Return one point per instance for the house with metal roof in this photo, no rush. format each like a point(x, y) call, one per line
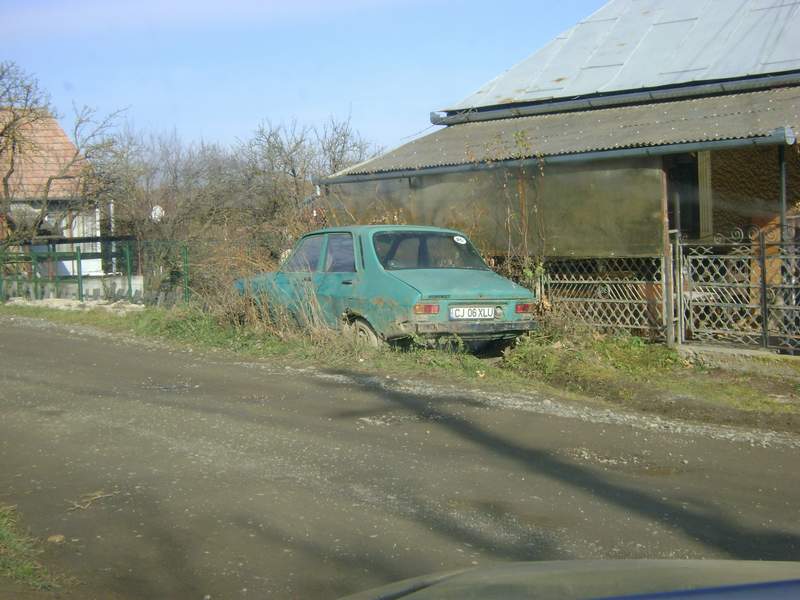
point(649, 117)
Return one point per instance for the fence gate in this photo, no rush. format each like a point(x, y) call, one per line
point(742, 289)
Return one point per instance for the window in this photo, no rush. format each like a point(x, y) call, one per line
point(305, 257)
point(340, 257)
point(426, 250)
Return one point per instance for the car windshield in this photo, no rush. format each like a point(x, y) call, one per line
point(426, 250)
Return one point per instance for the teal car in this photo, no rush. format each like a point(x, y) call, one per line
point(387, 283)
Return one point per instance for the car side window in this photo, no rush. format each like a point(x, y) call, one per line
point(306, 257)
point(340, 257)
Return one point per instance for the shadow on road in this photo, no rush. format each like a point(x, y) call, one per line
point(348, 566)
point(712, 530)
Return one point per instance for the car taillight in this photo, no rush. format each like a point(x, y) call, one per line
point(426, 309)
point(524, 307)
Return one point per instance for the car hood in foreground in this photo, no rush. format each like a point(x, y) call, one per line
point(568, 580)
point(461, 284)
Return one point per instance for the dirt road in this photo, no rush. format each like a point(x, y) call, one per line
point(222, 479)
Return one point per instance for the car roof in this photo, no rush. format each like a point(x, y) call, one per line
point(385, 227)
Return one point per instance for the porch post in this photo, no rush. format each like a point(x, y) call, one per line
point(787, 251)
point(782, 175)
point(704, 194)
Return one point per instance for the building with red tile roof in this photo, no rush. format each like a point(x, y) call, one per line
point(44, 167)
point(45, 154)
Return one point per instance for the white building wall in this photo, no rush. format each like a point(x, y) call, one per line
point(83, 224)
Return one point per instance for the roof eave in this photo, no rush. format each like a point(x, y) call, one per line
point(783, 136)
point(594, 101)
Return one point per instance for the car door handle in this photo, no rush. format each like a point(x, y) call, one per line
point(306, 278)
point(347, 282)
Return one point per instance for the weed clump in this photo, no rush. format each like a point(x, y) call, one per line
point(574, 356)
point(19, 554)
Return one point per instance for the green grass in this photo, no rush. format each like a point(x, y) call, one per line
point(626, 370)
point(18, 554)
point(613, 366)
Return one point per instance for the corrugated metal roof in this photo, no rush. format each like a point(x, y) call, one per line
point(638, 44)
point(728, 117)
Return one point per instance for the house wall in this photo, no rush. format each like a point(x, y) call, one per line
point(745, 187)
point(603, 208)
point(85, 223)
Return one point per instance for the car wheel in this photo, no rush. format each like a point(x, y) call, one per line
point(363, 333)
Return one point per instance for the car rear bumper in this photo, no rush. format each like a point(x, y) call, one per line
point(475, 329)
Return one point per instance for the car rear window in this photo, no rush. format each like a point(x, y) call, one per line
point(426, 250)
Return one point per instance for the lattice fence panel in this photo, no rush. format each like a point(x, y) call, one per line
point(613, 293)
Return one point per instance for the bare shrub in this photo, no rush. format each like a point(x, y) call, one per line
point(216, 266)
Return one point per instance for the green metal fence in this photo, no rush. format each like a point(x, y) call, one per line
point(150, 272)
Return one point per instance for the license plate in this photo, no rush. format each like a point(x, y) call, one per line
point(472, 312)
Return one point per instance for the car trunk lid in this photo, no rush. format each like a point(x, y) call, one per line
point(460, 284)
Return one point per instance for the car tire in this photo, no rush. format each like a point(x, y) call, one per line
point(363, 332)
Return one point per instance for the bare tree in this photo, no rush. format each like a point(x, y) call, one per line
point(22, 104)
point(280, 159)
point(91, 140)
point(164, 188)
point(339, 146)
point(257, 190)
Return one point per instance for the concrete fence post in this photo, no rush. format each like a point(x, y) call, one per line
point(129, 269)
point(52, 269)
point(35, 275)
point(79, 269)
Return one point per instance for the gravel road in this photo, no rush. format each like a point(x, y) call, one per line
point(173, 474)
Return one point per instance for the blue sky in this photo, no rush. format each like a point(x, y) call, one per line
point(213, 70)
